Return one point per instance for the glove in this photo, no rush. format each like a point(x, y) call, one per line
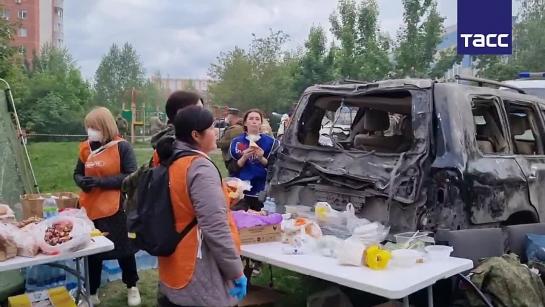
point(239, 290)
point(87, 183)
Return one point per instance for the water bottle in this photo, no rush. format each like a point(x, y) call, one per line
point(269, 205)
point(50, 208)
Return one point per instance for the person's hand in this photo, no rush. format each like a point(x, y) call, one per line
point(258, 153)
point(248, 153)
point(89, 182)
point(239, 289)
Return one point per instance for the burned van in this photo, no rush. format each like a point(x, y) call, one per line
point(416, 154)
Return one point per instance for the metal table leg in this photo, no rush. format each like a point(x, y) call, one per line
point(87, 282)
point(406, 301)
point(430, 296)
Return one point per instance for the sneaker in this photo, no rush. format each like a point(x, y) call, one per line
point(95, 300)
point(133, 297)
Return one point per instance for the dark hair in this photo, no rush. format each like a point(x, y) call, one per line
point(258, 111)
point(179, 100)
point(189, 119)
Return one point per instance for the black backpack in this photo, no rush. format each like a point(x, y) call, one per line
point(151, 223)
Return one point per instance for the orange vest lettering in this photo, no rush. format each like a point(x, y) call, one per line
point(100, 203)
point(176, 270)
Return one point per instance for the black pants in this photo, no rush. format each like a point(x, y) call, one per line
point(129, 275)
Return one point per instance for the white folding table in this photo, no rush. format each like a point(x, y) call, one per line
point(392, 283)
point(96, 246)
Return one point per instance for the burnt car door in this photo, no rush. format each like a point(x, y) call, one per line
point(527, 132)
point(496, 185)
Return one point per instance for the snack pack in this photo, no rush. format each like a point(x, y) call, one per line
point(236, 187)
point(25, 242)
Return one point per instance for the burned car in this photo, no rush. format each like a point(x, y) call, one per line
point(418, 154)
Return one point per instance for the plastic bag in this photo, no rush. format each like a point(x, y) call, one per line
point(6, 214)
point(78, 213)
point(372, 233)
point(62, 234)
point(352, 221)
point(237, 187)
point(8, 248)
point(328, 246)
point(25, 242)
point(535, 247)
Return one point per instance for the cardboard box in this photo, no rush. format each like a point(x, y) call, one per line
point(270, 233)
point(32, 203)
point(55, 297)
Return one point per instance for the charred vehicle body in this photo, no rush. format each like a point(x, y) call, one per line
point(416, 154)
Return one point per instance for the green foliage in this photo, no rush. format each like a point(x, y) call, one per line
point(421, 34)
point(528, 45)
point(445, 60)
point(118, 72)
point(363, 53)
point(259, 77)
point(316, 64)
point(57, 95)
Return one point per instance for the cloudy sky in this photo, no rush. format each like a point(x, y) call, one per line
point(180, 38)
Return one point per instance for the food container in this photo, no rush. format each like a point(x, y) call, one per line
point(438, 252)
point(402, 238)
point(405, 257)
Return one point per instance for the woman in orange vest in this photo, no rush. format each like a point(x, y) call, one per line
point(105, 159)
point(205, 269)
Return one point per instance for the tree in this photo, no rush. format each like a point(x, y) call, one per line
point(316, 64)
point(529, 35)
point(363, 50)
point(260, 77)
point(58, 95)
point(496, 67)
point(419, 38)
point(118, 72)
point(11, 62)
point(444, 61)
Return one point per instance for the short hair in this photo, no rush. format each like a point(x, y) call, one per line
point(248, 114)
point(179, 100)
point(189, 119)
point(100, 118)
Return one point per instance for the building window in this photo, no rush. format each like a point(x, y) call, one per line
point(22, 49)
point(4, 13)
point(22, 32)
point(23, 14)
point(18, 1)
point(59, 12)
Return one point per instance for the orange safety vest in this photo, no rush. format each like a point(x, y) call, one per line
point(104, 162)
point(176, 270)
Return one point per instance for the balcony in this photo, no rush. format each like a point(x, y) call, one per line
point(58, 3)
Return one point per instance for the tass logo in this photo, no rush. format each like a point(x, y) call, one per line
point(484, 27)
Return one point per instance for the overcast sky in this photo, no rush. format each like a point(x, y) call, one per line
point(180, 38)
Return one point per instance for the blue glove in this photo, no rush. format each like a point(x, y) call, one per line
point(239, 290)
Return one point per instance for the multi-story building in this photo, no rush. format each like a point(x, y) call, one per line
point(36, 23)
point(169, 85)
point(465, 67)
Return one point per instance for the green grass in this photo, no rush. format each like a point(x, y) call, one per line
point(54, 164)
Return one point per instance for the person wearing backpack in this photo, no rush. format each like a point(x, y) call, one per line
point(205, 269)
point(105, 159)
point(161, 142)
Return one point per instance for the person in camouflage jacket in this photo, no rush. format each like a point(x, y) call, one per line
point(507, 283)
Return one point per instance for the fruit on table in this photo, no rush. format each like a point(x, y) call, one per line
point(58, 233)
point(377, 258)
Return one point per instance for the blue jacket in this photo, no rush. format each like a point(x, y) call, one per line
point(253, 170)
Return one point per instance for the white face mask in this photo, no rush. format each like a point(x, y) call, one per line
point(94, 135)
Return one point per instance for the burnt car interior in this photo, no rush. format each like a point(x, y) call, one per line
point(488, 128)
point(524, 130)
point(378, 122)
point(490, 136)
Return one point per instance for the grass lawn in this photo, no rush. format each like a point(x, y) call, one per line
point(54, 165)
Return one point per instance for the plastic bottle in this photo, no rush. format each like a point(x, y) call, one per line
point(50, 207)
point(269, 205)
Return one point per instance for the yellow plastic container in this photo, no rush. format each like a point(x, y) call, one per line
point(56, 297)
